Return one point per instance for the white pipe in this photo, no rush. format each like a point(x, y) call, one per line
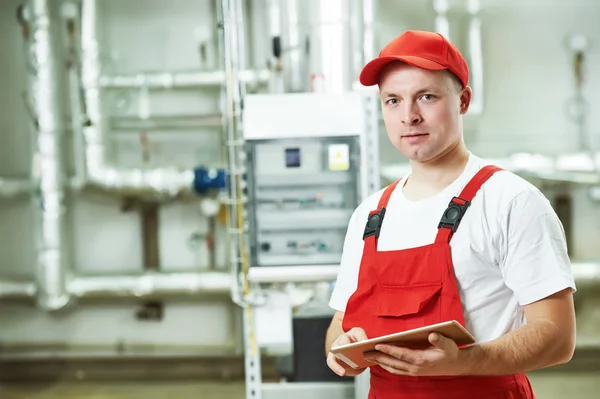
point(476, 57)
point(294, 60)
point(53, 261)
point(150, 284)
point(293, 274)
point(16, 289)
point(368, 35)
point(165, 181)
point(442, 25)
point(183, 79)
point(14, 187)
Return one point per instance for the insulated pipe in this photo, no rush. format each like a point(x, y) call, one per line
point(165, 181)
point(14, 187)
point(52, 267)
point(442, 25)
point(183, 79)
point(476, 58)
point(15, 289)
point(294, 51)
point(150, 284)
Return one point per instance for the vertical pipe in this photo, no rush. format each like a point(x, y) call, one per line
point(232, 114)
point(475, 57)
point(52, 267)
point(294, 56)
point(368, 35)
point(329, 53)
point(90, 74)
point(442, 25)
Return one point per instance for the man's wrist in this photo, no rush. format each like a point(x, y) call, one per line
point(469, 358)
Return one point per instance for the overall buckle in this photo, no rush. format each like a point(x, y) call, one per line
point(374, 222)
point(454, 213)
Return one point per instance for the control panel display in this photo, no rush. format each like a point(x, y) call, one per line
point(292, 157)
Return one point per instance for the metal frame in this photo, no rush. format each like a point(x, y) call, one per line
point(366, 131)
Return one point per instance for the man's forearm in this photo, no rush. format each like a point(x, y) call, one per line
point(333, 332)
point(533, 346)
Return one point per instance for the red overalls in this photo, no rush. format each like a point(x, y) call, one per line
point(410, 288)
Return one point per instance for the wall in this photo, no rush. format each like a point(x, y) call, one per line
point(527, 83)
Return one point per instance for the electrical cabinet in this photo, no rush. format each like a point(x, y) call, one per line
point(307, 174)
point(302, 193)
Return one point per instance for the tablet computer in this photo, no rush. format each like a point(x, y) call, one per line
point(353, 354)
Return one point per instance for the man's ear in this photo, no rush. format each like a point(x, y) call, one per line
point(465, 99)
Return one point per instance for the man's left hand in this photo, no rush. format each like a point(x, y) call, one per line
point(442, 358)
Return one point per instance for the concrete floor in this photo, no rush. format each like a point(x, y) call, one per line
point(581, 385)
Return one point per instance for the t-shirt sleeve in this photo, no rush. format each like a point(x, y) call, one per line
point(347, 279)
point(533, 254)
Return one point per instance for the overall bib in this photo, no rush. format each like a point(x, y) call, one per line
point(410, 288)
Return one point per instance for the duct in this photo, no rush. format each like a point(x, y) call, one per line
point(172, 80)
point(14, 187)
point(48, 173)
point(150, 284)
point(166, 181)
point(16, 289)
point(294, 55)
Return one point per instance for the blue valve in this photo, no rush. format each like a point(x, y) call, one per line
point(206, 179)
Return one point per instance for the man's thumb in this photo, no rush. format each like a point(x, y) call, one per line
point(438, 340)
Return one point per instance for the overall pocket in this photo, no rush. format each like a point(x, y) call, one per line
point(408, 307)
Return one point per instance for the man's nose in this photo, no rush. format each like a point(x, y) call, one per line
point(411, 116)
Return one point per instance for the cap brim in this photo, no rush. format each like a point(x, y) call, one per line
point(369, 75)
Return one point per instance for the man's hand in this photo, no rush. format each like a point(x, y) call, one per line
point(340, 368)
point(442, 358)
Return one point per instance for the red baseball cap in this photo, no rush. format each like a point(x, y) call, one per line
point(427, 50)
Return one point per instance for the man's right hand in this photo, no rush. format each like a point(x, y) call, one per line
point(339, 367)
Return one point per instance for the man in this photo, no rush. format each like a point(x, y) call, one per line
point(500, 268)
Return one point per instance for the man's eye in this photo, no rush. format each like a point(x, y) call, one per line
point(392, 101)
point(428, 97)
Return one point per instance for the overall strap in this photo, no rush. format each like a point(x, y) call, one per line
point(375, 220)
point(458, 205)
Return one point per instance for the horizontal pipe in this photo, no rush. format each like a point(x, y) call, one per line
point(150, 284)
point(14, 187)
point(296, 274)
point(171, 80)
point(17, 289)
point(197, 283)
point(169, 122)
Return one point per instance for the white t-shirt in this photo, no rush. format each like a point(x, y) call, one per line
point(509, 250)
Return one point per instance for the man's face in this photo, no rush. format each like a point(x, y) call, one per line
point(421, 110)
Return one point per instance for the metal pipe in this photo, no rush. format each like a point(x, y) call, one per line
point(14, 187)
point(166, 181)
point(294, 54)
point(368, 35)
point(183, 79)
point(442, 26)
point(17, 289)
point(293, 274)
point(330, 46)
point(52, 267)
point(230, 13)
point(476, 58)
point(150, 284)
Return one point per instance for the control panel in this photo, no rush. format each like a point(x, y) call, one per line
point(302, 193)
